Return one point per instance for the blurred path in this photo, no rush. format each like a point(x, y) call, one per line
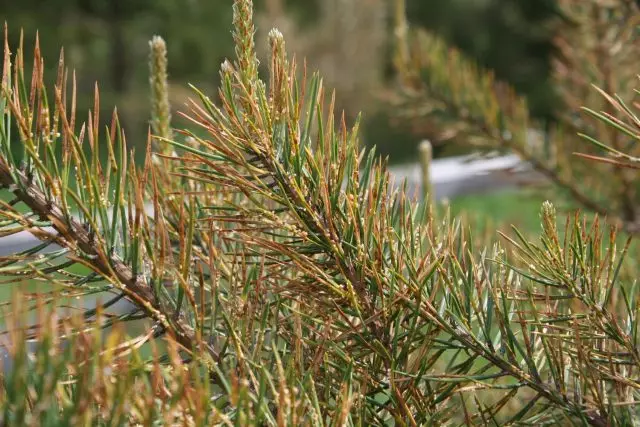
point(457, 176)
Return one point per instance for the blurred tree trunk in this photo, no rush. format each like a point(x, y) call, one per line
point(347, 43)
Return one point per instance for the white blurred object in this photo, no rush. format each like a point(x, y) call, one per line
point(455, 176)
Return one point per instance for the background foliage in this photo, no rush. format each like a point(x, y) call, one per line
point(104, 41)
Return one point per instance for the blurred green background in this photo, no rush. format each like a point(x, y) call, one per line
point(349, 41)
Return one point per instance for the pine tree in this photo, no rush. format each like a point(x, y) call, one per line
point(281, 280)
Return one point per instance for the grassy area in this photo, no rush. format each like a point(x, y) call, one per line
point(500, 210)
point(486, 214)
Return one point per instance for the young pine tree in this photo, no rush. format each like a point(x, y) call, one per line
point(280, 280)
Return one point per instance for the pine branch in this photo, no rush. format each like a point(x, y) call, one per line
point(440, 84)
point(335, 238)
point(41, 182)
point(74, 236)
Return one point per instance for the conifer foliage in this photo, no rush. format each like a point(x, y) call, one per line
point(281, 280)
point(596, 43)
